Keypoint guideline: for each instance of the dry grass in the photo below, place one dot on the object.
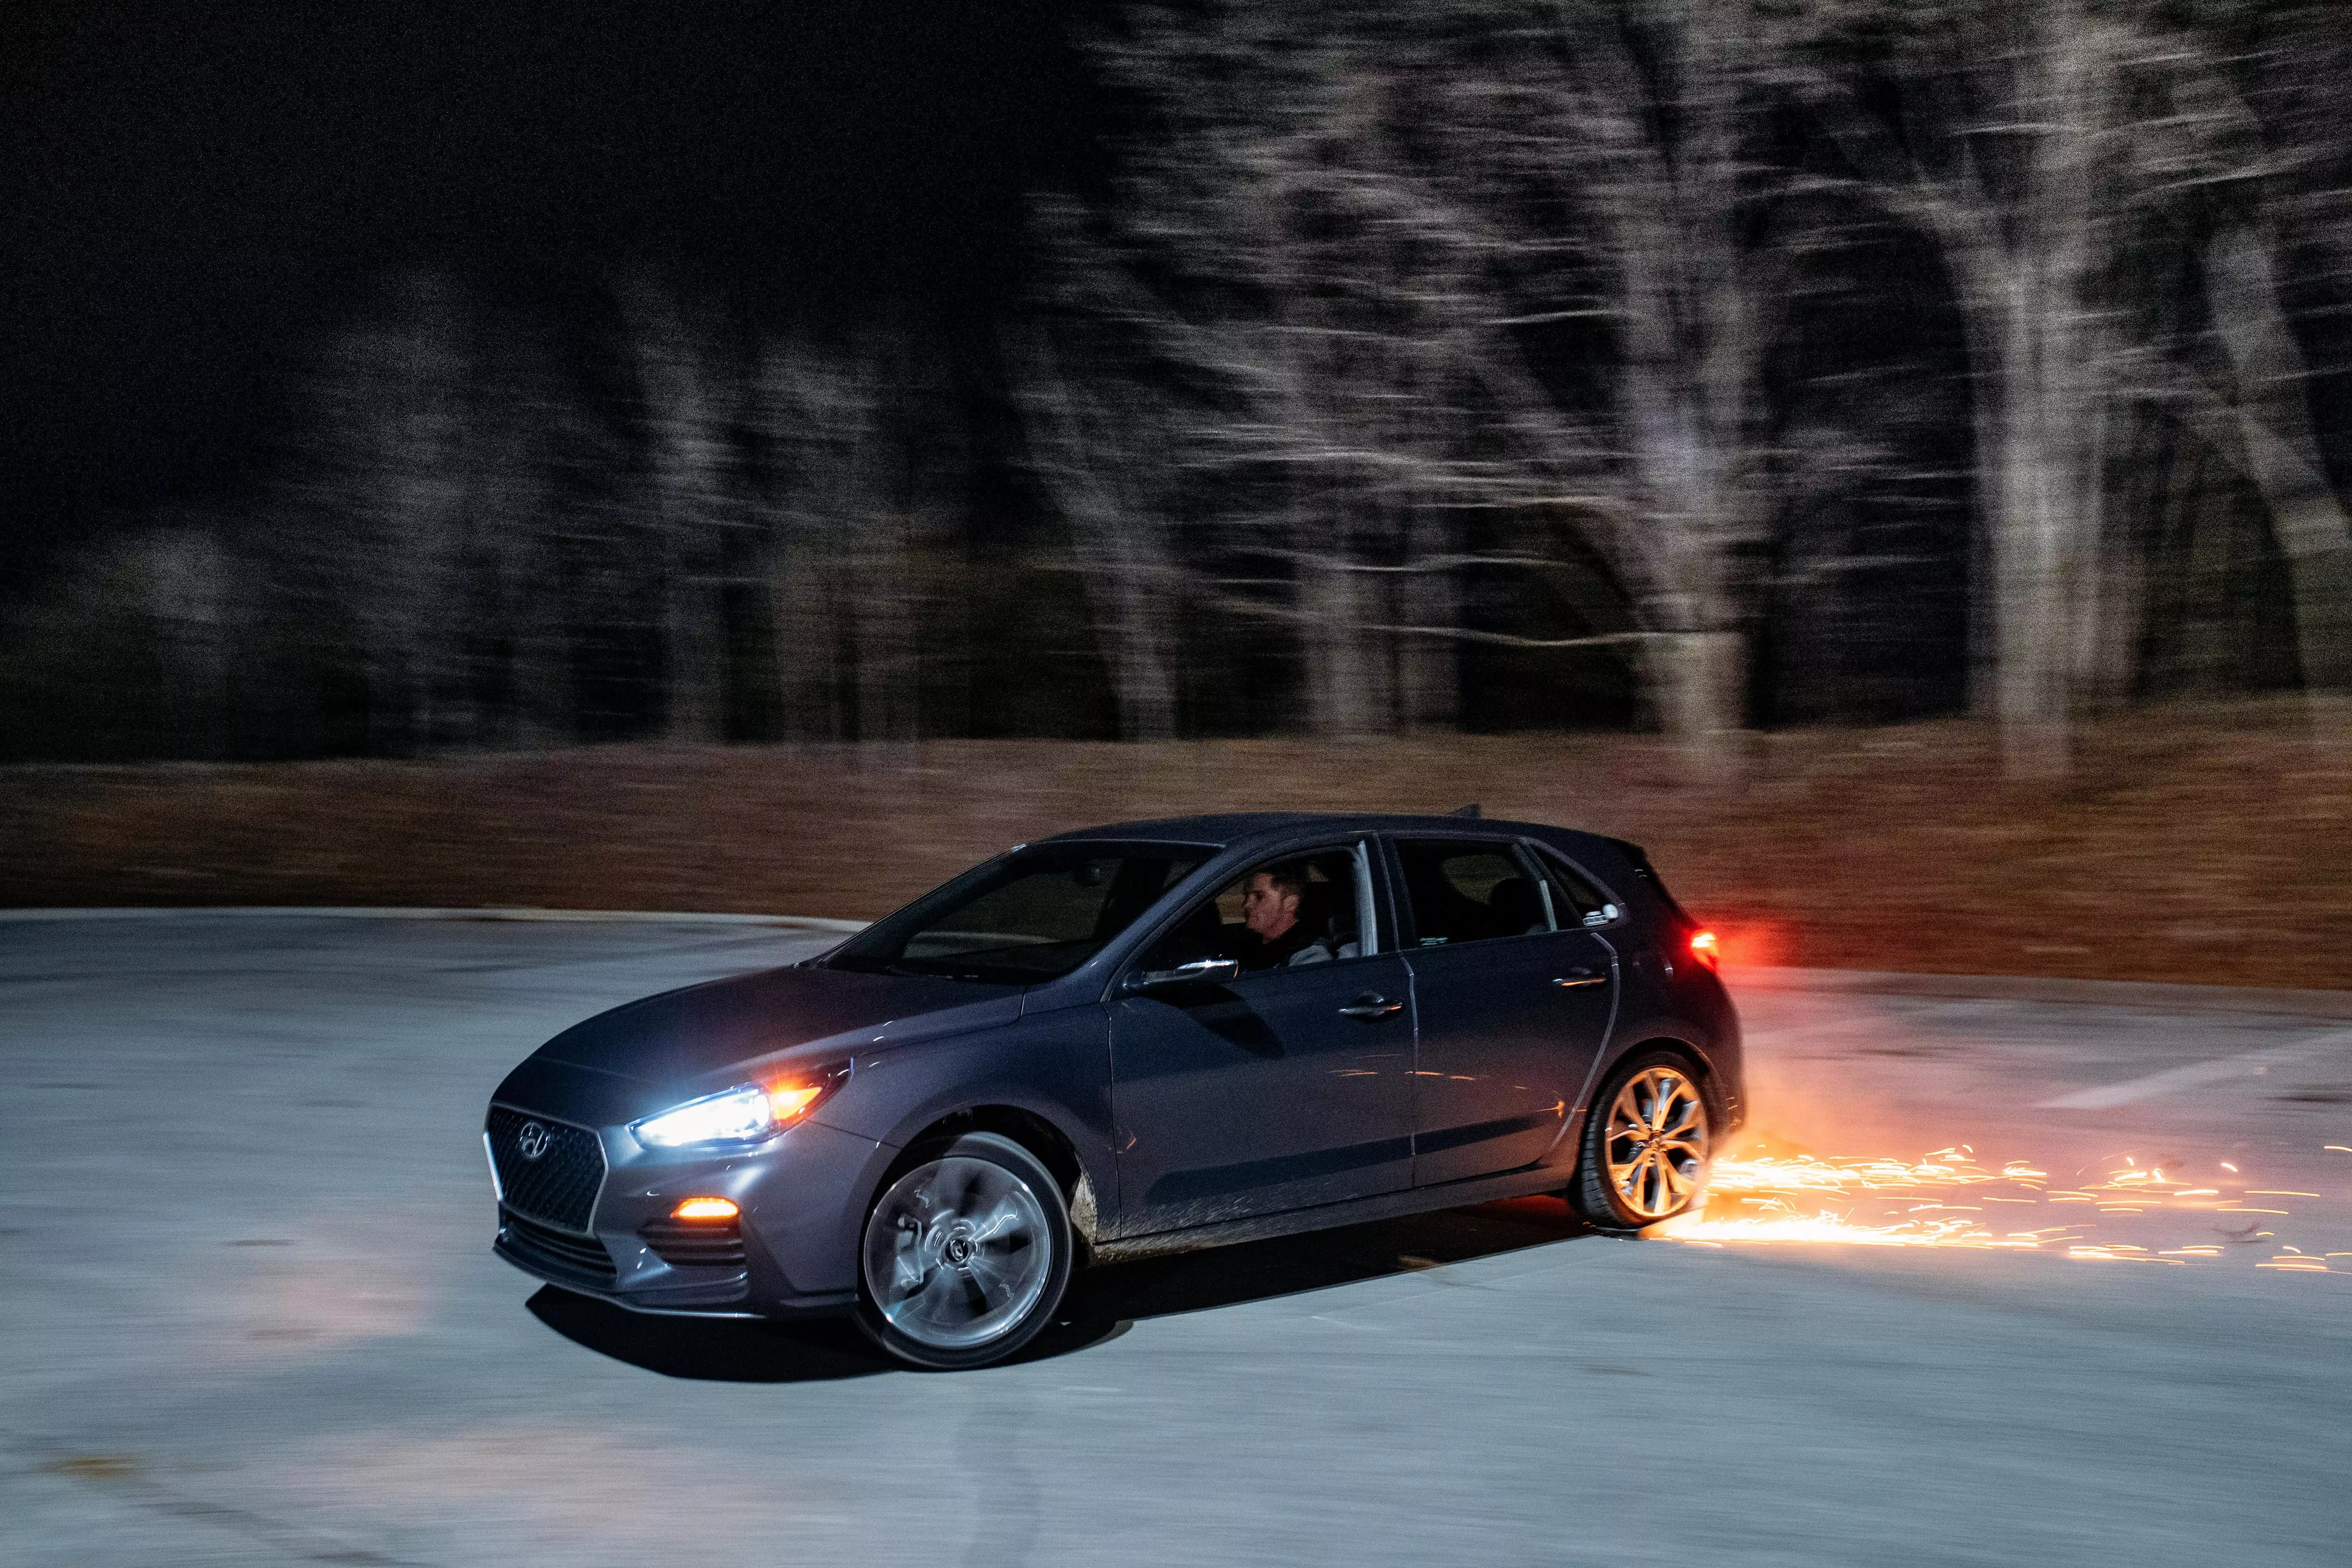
(2194, 843)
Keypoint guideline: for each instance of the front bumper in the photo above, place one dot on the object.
(799, 1200)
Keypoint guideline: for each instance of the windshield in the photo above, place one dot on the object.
(1030, 916)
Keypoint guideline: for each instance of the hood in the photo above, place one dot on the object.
(683, 1035)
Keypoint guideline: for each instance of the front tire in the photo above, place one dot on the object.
(1646, 1145)
(965, 1255)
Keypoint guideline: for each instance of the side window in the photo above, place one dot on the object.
(1298, 909)
(1574, 899)
(1469, 891)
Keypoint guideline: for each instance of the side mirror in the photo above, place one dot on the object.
(1200, 971)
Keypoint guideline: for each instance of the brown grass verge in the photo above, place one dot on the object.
(2193, 843)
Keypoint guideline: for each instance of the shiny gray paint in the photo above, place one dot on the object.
(1257, 1096)
(919, 1051)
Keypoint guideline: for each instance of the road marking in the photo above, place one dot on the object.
(2195, 1075)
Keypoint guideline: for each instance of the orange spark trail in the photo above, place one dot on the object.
(1948, 1198)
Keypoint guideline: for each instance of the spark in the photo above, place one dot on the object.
(1887, 1202)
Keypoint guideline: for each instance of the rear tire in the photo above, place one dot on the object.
(1647, 1145)
(965, 1254)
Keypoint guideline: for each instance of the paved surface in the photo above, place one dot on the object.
(248, 1313)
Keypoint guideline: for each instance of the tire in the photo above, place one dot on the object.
(1629, 1176)
(965, 1254)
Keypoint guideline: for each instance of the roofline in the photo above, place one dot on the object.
(1227, 830)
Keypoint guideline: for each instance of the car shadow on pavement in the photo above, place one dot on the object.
(1104, 1302)
(1285, 1266)
(722, 1350)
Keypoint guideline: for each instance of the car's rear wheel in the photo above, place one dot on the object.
(966, 1254)
(1646, 1145)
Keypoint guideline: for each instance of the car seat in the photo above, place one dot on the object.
(1515, 908)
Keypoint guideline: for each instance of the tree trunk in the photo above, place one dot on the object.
(1345, 685)
(1696, 669)
(189, 592)
(693, 653)
(884, 631)
(1429, 680)
(2029, 561)
(2282, 456)
(1140, 622)
(2035, 494)
(679, 377)
(1699, 682)
(807, 644)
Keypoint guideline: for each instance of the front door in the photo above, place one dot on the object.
(1514, 1004)
(1286, 1086)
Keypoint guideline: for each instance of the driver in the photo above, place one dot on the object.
(1276, 936)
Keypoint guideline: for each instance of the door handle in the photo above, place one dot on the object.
(1576, 977)
(1371, 1005)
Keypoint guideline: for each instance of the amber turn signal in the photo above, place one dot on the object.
(787, 1100)
(705, 1208)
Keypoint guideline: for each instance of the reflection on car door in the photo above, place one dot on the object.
(1511, 1011)
(1275, 1090)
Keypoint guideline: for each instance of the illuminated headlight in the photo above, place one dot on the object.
(745, 1114)
(737, 1116)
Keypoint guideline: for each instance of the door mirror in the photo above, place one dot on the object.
(1200, 971)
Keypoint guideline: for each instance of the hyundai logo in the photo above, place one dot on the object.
(532, 1140)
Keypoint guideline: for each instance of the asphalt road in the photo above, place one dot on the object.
(248, 1313)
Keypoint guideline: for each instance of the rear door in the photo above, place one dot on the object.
(1513, 999)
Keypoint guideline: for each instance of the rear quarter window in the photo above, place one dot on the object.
(1577, 899)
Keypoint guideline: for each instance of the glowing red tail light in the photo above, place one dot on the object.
(1704, 948)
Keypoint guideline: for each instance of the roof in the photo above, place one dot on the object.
(1229, 829)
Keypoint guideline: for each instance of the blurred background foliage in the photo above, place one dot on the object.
(1683, 365)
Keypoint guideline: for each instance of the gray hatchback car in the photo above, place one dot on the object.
(1133, 1039)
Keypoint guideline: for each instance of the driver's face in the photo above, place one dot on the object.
(1267, 910)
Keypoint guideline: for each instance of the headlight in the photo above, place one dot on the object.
(744, 1114)
(737, 1116)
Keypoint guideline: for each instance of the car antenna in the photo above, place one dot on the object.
(1470, 811)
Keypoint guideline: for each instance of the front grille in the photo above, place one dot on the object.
(580, 1257)
(561, 1186)
(696, 1244)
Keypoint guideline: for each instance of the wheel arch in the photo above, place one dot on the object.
(1710, 1082)
(1034, 1131)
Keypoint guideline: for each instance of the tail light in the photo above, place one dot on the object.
(1704, 948)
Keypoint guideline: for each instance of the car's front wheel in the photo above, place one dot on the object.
(1646, 1145)
(966, 1254)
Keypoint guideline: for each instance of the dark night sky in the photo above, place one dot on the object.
(188, 192)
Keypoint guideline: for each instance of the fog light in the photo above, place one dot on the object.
(705, 1208)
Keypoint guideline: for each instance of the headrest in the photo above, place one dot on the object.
(1517, 907)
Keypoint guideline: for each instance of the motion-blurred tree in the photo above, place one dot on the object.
(862, 464)
(1411, 364)
(1614, 154)
(1098, 434)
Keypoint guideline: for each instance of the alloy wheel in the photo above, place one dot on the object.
(957, 1253)
(1657, 1142)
